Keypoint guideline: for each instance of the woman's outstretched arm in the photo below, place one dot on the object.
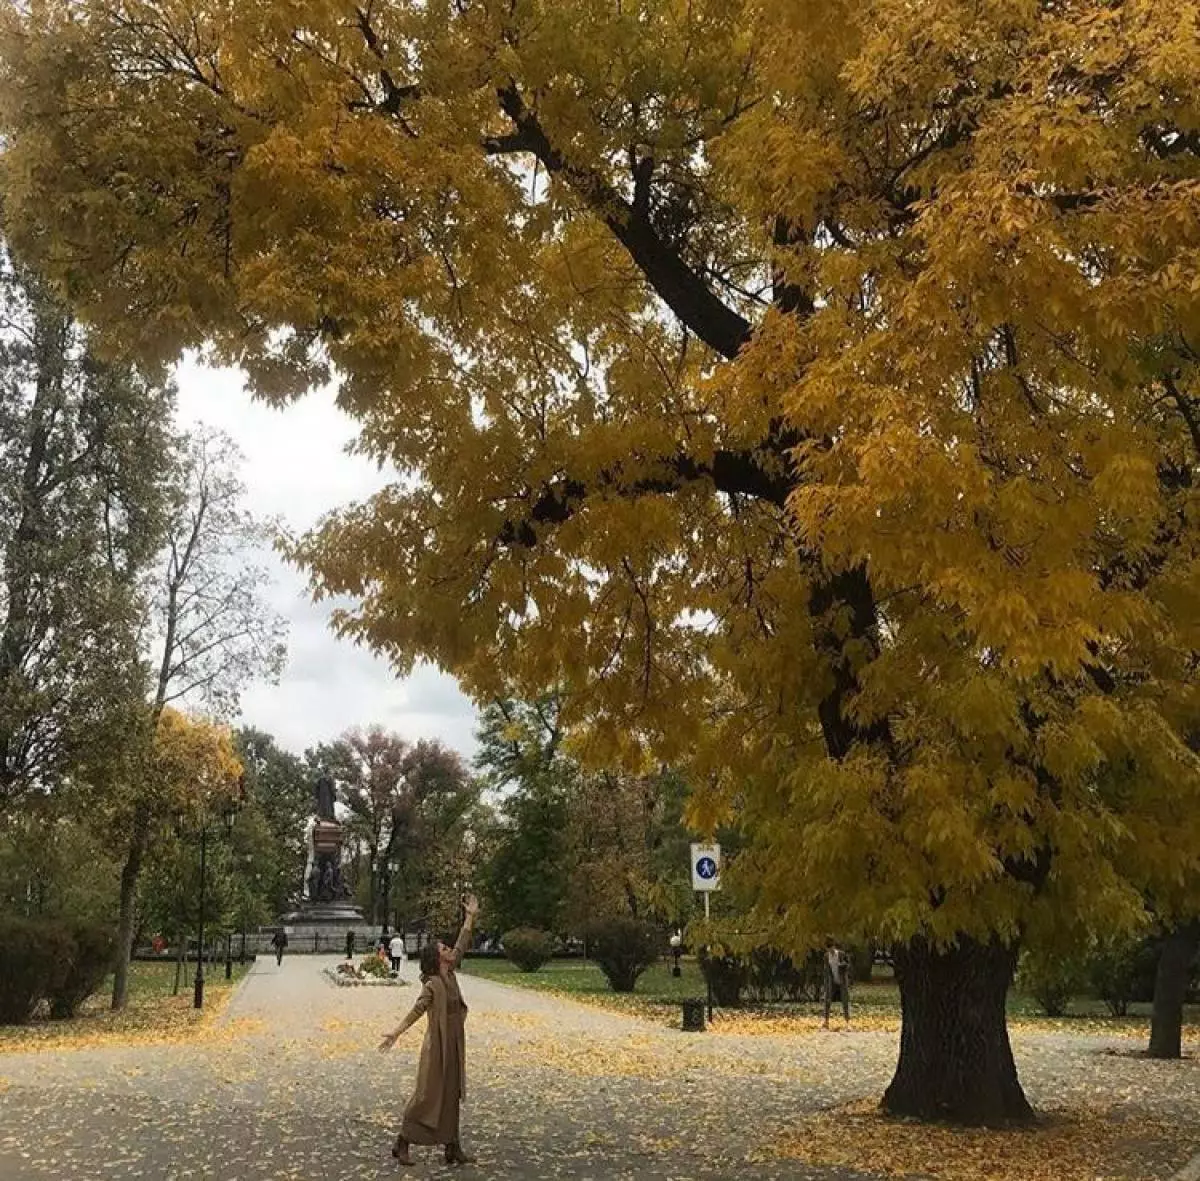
(414, 1015)
(464, 936)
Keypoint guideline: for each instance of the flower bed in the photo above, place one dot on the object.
(371, 970)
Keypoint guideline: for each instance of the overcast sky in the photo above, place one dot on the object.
(297, 469)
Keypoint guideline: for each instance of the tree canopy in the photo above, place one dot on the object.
(808, 388)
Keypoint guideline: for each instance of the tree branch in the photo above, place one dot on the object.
(731, 472)
(680, 288)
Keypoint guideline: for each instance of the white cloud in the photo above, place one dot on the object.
(297, 469)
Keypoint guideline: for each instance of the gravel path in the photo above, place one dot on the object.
(289, 1085)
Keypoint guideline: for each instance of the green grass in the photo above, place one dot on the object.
(583, 978)
(658, 993)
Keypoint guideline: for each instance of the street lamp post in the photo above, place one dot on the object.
(198, 992)
(227, 814)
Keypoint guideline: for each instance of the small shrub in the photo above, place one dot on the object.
(773, 976)
(1122, 970)
(94, 950)
(1052, 978)
(35, 958)
(528, 948)
(726, 976)
(624, 948)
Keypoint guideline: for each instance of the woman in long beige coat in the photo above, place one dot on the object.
(432, 1114)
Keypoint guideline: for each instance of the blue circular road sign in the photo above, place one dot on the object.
(706, 868)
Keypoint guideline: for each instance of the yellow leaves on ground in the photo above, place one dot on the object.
(1077, 1145)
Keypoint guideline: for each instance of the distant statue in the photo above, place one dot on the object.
(328, 888)
(324, 792)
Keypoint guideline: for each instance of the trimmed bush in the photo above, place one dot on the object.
(94, 950)
(1121, 971)
(35, 959)
(1052, 978)
(623, 948)
(726, 975)
(774, 976)
(528, 947)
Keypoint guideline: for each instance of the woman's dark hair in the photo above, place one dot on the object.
(431, 960)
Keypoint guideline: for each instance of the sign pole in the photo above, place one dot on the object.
(708, 974)
(706, 877)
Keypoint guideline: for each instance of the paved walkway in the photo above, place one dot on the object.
(290, 1085)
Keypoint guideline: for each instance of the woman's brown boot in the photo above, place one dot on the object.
(456, 1156)
(400, 1151)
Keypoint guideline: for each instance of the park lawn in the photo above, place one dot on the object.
(152, 1015)
(874, 1005)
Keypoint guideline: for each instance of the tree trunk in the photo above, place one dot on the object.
(956, 1062)
(1170, 990)
(139, 838)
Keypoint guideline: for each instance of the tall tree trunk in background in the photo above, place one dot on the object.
(1175, 962)
(138, 840)
(956, 1062)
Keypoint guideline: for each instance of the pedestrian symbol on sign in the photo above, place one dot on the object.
(706, 867)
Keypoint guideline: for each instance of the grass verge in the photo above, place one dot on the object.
(875, 1006)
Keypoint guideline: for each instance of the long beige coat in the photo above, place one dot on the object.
(431, 1116)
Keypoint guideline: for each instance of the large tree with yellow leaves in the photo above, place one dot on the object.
(807, 388)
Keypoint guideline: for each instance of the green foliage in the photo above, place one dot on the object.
(1120, 970)
(84, 495)
(774, 976)
(35, 960)
(726, 975)
(624, 948)
(278, 782)
(54, 865)
(93, 951)
(528, 947)
(1052, 976)
(526, 879)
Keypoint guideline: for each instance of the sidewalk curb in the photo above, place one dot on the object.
(1190, 1171)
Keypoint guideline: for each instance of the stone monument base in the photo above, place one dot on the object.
(322, 926)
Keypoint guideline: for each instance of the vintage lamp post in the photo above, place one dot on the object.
(228, 812)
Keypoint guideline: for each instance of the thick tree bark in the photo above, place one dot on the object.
(1179, 951)
(956, 1062)
(138, 840)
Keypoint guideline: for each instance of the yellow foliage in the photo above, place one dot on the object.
(808, 389)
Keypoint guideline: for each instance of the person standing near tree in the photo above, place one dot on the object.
(432, 1114)
(837, 978)
(279, 943)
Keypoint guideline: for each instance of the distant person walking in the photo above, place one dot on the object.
(432, 1114)
(837, 979)
(396, 949)
(279, 943)
(349, 945)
